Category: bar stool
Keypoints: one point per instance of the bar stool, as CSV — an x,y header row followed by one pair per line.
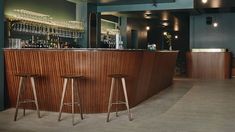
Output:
x,y
71,78
122,78
21,90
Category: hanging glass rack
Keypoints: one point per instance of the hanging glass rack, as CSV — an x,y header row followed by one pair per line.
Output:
x,y
38,23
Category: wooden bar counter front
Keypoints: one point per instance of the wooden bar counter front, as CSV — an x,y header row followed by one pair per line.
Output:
x,y
148,73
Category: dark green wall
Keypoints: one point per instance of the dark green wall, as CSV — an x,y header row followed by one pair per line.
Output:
x,y
1,57
136,33
206,36
58,9
155,34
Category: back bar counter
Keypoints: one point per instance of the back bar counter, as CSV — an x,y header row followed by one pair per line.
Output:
x,y
209,64
148,72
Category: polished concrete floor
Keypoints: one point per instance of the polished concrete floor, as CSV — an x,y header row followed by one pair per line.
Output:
x,y
187,106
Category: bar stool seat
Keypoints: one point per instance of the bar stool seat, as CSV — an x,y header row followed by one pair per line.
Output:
x,y
118,102
21,89
117,75
71,78
26,75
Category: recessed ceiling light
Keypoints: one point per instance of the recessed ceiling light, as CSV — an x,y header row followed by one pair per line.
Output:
x,y
164,33
204,1
176,37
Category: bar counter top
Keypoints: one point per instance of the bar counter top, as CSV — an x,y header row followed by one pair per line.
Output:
x,y
148,73
86,49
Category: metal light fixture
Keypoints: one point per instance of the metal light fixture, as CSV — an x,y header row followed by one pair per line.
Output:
x,y
147,16
155,3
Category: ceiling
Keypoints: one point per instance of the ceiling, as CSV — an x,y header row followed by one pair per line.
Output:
x,y
157,18
215,4
212,6
126,2
170,17
198,3
160,15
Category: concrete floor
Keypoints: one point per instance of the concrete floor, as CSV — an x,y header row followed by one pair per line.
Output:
x,y
187,106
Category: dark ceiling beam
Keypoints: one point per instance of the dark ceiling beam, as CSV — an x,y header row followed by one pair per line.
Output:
x,y
215,4
127,2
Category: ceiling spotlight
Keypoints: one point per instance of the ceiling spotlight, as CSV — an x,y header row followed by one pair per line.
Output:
x,y
204,1
176,37
155,3
215,24
164,33
147,28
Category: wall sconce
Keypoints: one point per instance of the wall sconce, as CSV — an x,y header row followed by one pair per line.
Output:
x,y
147,28
215,24
165,24
210,21
204,1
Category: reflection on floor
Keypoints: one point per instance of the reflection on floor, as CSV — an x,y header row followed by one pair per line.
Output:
x,y
187,106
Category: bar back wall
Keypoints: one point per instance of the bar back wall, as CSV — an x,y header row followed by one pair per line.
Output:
x,y
203,35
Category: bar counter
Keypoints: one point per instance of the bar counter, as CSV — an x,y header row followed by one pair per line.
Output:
x,y
209,64
148,72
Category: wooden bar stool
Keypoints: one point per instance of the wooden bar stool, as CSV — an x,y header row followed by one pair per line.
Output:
x,y
122,78
23,77
71,78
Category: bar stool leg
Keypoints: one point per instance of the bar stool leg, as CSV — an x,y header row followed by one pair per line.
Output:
x,y
72,84
24,111
62,98
110,98
117,100
79,101
126,98
23,91
35,95
18,98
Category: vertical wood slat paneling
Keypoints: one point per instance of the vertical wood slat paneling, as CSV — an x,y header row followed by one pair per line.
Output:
x,y
148,73
212,65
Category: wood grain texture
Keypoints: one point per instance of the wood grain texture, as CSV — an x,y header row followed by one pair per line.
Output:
x,y
148,73
209,65
233,67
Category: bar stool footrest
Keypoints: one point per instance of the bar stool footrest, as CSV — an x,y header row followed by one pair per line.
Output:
x,y
70,104
27,101
119,102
